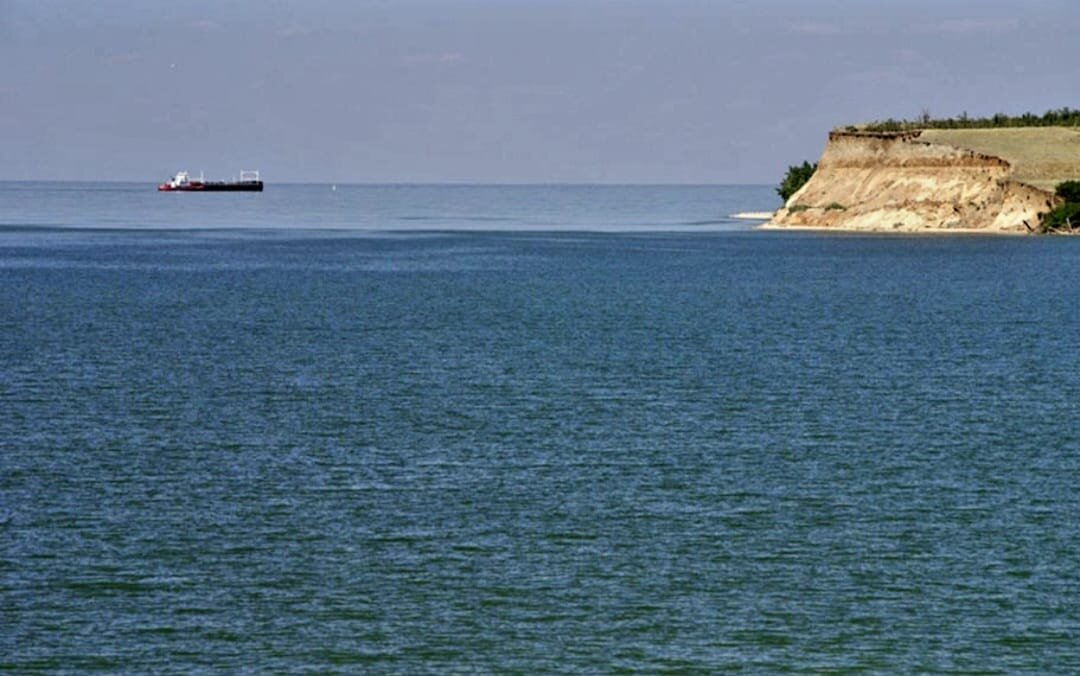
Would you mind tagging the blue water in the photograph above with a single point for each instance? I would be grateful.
(385, 207)
(526, 429)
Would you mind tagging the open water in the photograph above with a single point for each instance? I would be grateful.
(432, 429)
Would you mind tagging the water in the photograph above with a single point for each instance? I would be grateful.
(347, 442)
(398, 208)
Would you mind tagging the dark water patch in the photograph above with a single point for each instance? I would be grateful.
(159, 631)
(64, 663)
(345, 658)
(109, 587)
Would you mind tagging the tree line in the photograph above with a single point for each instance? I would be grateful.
(1059, 117)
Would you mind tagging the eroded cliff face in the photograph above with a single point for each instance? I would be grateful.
(895, 182)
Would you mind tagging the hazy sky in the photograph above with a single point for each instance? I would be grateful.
(720, 91)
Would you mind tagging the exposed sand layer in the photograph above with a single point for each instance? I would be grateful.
(902, 183)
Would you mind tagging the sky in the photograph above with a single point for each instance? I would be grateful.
(500, 91)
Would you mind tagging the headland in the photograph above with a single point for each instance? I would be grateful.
(995, 180)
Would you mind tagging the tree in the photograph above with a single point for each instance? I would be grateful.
(1065, 217)
(795, 178)
(1069, 191)
(1062, 219)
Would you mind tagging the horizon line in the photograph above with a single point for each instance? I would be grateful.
(424, 183)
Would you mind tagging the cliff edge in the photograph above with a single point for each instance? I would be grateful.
(899, 182)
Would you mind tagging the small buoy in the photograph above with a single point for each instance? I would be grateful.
(333, 187)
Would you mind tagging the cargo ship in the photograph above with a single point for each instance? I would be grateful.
(182, 182)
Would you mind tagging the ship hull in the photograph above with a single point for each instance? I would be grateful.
(214, 186)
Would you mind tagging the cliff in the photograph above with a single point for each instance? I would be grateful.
(899, 182)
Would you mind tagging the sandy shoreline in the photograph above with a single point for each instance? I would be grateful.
(902, 231)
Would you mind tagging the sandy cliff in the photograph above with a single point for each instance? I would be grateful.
(899, 182)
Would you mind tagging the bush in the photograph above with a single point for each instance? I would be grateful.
(1069, 191)
(795, 178)
(796, 208)
(834, 206)
(1064, 218)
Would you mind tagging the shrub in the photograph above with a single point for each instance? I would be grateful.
(1064, 218)
(834, 206)
(795, 178)
(1069, 191)
(796, 208)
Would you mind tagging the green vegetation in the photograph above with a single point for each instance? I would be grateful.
(795, 178)
(1065, 218)
(796, 208)
(1062, 117)
(833, 206)
(1068, 191)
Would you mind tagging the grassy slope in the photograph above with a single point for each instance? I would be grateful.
(1041, 156)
